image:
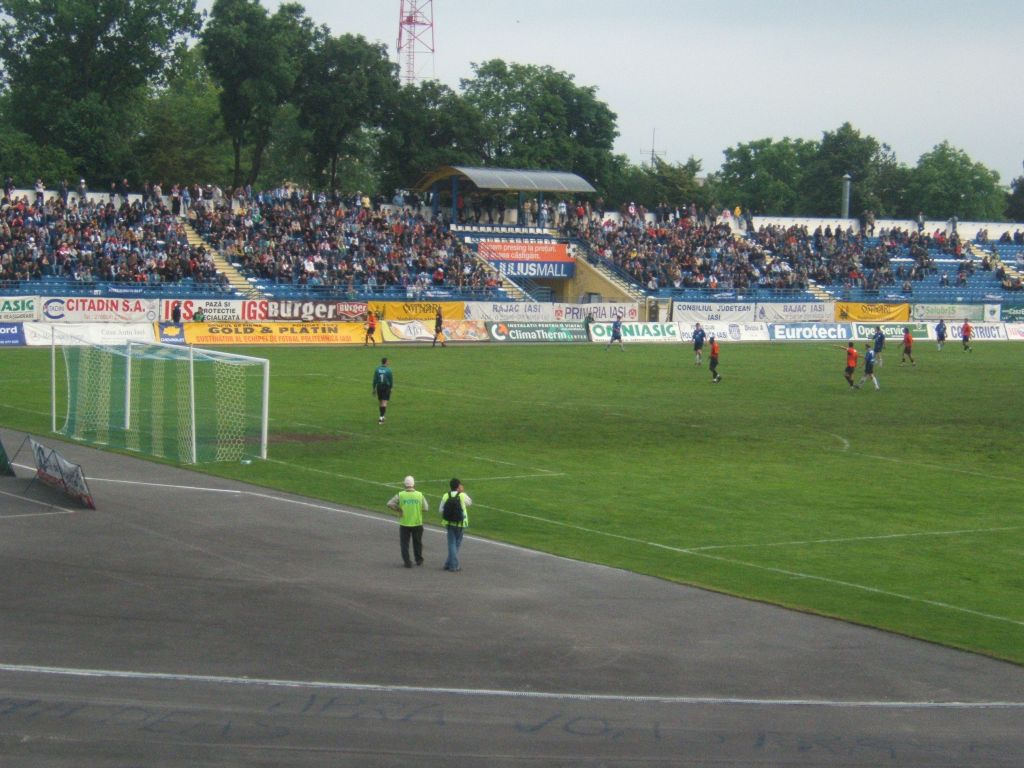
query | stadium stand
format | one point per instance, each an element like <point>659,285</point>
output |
<point>290,243</point>
<point>294,244</point>
<point>93,246</point>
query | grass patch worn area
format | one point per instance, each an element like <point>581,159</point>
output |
<point>899,509</point>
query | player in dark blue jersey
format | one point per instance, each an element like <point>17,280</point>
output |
<point>940,333</point>
<point>698,343</point>
<point>869,367</point>
<point>616,332</point>
<point>879,340</point>
<point>382,383</point>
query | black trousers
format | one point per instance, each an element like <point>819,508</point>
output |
<point>414,532</point>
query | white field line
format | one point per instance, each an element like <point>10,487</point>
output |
<point>939,468</point>
<point>54,509</point>
<point>255,682</point>
<point>861,587</point>
<point>848,539</point>
<point>696,552</point>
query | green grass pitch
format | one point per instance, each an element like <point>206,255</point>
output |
<point>900,509</point>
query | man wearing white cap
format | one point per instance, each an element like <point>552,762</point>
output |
<point>410,505</point>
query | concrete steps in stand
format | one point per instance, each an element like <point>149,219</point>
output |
<point>235,279</point>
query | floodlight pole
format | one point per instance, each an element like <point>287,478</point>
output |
<point>846,196</point>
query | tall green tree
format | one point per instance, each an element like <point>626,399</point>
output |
<point>947,183</point>
<point>182,138</point>
<point>78,71</point>
<point>1015,200</point>
<point>840,152</point>
<point>765,175</point>
<point>429,125</point>
<point>345,85</point>
<point>255,59</point>
<point>537,117</point>
<point>889,189</point>
<point>26,161</point>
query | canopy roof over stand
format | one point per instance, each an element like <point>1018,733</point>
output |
<point>500,180</point>
<point>507,179</point>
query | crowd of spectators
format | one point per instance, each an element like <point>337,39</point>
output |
<point>88,239</point>
<point>347,243</point>
<point>353,244</point>
<point>685,249</point>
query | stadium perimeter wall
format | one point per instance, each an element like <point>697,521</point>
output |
<point>29,321</point>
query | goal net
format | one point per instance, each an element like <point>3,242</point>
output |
<point>180,403</point>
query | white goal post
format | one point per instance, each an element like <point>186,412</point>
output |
<point>183,403</point>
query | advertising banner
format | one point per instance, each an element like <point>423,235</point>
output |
<point>1012,314</point>
<point>796,312</point>
<point>57,472</point>
<point>509,311</point>
<point>984,332</point>
<point>1014,331</point>
<point>11,335</point>
<point>170,333</point>
<point>419,310</point>
<point>973,312</point>
<point>73,334</point>
<point>213,310</point>
<point>700,312</point>
<point>654,333</point>
<point>518,258</point>
<point>727,331</point>
<point>542,312</point>
<point>14,309</point>
<point>92,309</point>
<point>534,332</point>
<point>577,313</point>
<point>892,331</point>
<point>423,330</point>
<point>855,310</point>
<point>248,310</point>
<point>274,333</point>
<point>810,332</point>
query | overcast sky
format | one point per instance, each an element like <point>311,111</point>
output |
<point>704,76</point>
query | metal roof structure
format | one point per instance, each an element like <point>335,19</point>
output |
<point>508,179</point>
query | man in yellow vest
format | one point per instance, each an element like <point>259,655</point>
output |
<point>410,505</point>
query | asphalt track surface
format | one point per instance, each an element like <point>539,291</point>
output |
<point>193,621</point>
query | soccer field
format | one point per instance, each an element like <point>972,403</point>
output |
<point>899,509</point>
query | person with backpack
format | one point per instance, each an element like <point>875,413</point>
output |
<point>455,520</point>
<point>410,505</point>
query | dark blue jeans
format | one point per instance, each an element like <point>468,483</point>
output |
<point>454,542</point>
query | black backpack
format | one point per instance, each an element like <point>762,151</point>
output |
<point>452,509</point>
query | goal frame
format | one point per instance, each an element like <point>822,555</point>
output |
<point>177,350</point>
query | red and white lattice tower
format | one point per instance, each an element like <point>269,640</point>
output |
<point>415,35</point>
